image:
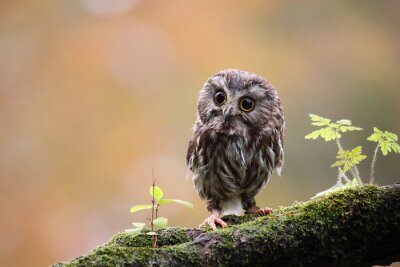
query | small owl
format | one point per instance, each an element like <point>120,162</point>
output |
<point>237,142</point>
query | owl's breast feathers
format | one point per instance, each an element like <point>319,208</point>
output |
<point>228,165</point>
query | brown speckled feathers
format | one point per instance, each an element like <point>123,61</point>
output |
<point>237,139</point>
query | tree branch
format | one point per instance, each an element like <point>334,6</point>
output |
<point>352,227</point>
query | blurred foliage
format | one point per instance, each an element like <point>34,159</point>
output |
<point>95,93</point>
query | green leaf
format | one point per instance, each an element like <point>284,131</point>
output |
<point>151,233</point>
<point>134,231</point>
<point>329,134</point>
<point>377,136</point>
<point>326,133</point>
<point>344,122</point>
<point>345,126</point>
<point>332,130</point>
<point>384,148</point>
<point>313,135</point>
<point>183,203</point>
<point>158,193</point>
<point>137,230</point>
<point>138,225</point>
<point>137,208</point>
<point>160,222</point>
<point>334,125</point>
<point>318,120</point>
<point>374,137</point>
<point>391,136</point>
<point>396,148</point>
<point>348,159</point>
<point>387,141</point>
<point>355,156</point>
<point>320,123</point>
<point>376,130</point>
<point>349,128</point>
<point>340,163</point>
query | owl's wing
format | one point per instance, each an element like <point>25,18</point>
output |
<point>190,155</point>
<point>279,155</point>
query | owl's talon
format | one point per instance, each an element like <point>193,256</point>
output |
<point>213,221</point>
<point>264,211</point>
<point>260,211</point>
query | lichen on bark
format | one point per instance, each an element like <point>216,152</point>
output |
<point>352,227</point>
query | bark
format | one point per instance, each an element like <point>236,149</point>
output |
<point>357,226</point>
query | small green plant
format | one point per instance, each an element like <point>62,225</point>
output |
<point>332,131</point>
<point>387,142</point>
<point>347,160</point>
<point>156,223</point>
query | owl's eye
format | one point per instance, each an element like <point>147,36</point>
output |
<point>220,98</point>
<point>246,104</point>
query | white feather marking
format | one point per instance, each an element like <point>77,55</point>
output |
<point>232,206</point>
<point>279,165</point>
<point>271,154</point>
<point>240,154</point>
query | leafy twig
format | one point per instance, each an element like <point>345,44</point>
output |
<point>156,223</point>
<point>373,162</point>
<point>387,142</point>
<point>330,131</point>
<point>348,166</point>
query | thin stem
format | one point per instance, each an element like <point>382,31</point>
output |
<point>357,174</point>
<point>353,170</point>
<point>372,173</point>
<point>342,175</point>
<point>338,143</point>
<point>154,211</point>
<point>158,205</point>
<point>341,149</point>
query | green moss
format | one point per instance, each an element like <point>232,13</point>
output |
<point>234,219</point>
<point>124,239</point>
<point>110,255</point>
<point>173,236</point>
<point>167,237</point>
<point>347,222</point>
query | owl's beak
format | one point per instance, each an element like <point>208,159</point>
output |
<point>228,114</point>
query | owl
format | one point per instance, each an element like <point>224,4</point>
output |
<point>237,142</point>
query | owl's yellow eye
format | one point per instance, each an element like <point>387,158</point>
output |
<point>220,98</point>
<point>246,104</point>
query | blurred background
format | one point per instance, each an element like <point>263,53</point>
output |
<point>94,93</point>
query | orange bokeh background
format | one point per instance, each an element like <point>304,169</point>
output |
<point>96,93</point>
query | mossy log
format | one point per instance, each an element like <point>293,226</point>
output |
<point>357,226</point>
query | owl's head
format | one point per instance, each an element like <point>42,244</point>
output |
<point>232,101</point>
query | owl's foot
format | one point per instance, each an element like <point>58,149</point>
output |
<point>259,211</point>
<point>213,221</point>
